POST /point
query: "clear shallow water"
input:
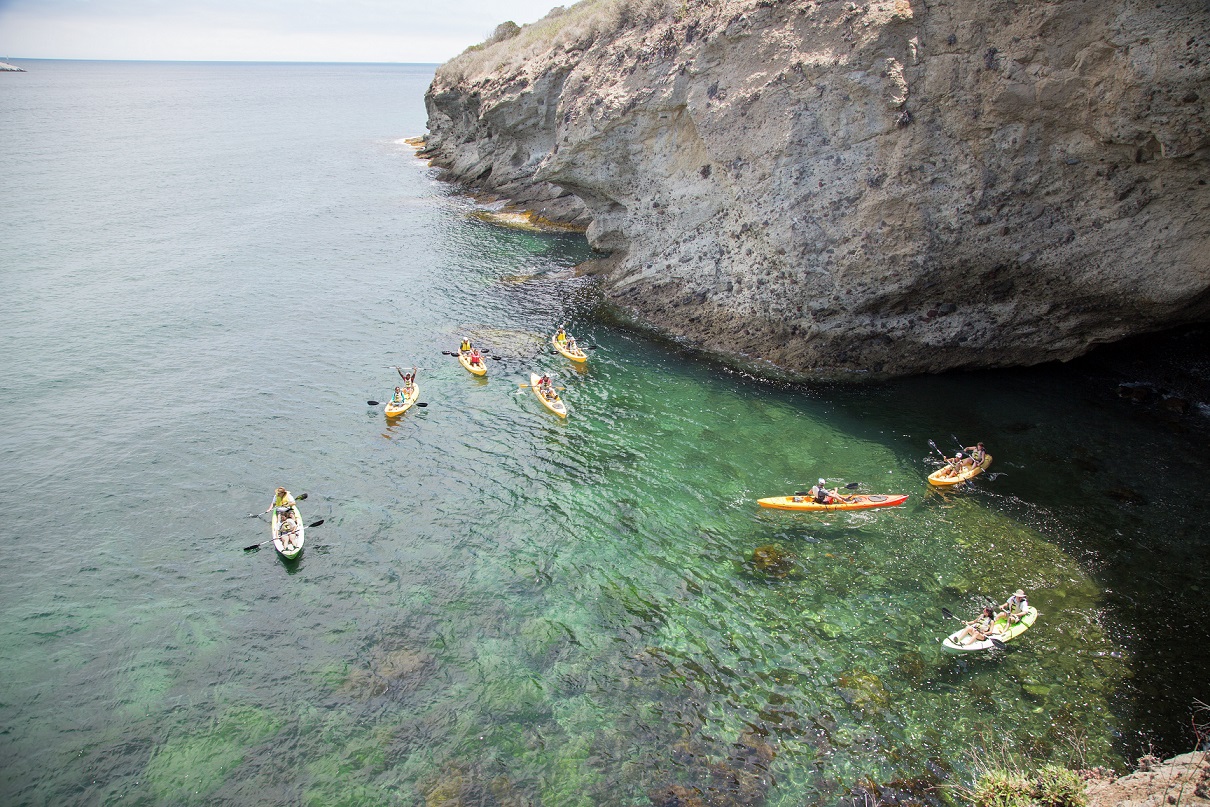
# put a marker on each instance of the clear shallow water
(210, 268)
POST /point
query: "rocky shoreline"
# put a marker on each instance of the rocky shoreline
(849, 190)
(1182, 780)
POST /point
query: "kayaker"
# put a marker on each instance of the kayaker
(571, 345)
(475, 357)
(408, 378)
(977, 629)
(821, 495)
(561, 337)
(287, 531)
(956, 464)
(1015, 605)
(466, 345)
(281, 499)
(397, 398)
(976, 453)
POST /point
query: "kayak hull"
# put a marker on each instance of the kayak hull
(579, 355)
(805, 503)
(1003, 632)
(296, 546)
(393, 410)
(557, 406)
(936, 478)
(464, 359)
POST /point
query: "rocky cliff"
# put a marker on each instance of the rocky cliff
(860, 189)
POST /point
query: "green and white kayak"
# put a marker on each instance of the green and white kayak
(1000, 630)
(288, 546)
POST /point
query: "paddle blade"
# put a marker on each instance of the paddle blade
(948, 613)
(421, 403)
(996, 643)
(302, 497)
(852, 486)
(316, 524)
(250, 548)
(371, 403)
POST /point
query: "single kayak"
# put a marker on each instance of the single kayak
(464, 359)
(555, 404)
(937, 478)
(409, 398)
(574, 355)
(852, 503)
(1000, 630)
(290, 545)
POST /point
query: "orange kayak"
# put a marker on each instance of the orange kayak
(850, 502)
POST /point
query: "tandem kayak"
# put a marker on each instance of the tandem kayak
(936, 478)
(1000, 630)
(851, 503)
(409, 398)
(555, 404)
(574, 355)
(295, 546)
(480, 369)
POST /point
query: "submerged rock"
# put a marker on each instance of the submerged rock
(859, 190)
(772, 561)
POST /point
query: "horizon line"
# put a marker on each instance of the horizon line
(11, 59)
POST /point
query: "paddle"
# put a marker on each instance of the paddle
(996, 643)
(527, 385)
(376, 403)
(455, 354)
(850, 486)
(258, 515)
(262, 543)
(939, 451)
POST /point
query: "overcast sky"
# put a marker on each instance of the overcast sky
(255, 30)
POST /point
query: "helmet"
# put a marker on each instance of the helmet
(823, 481)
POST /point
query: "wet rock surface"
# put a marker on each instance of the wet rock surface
(860, 190)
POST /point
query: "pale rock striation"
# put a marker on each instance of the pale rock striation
(868, 189)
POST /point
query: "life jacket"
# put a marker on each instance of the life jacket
(561, 337)
(822, 496)
(466, 344)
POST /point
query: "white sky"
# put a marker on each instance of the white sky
(255, 30)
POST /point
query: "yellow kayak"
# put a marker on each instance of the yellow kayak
(555, 404)
(937, 477)
(409, 398)
(480, 369)
(576, 355)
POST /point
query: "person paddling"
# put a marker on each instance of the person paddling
(476, 359)
(821, 495)
(1015, 606)
(408, 379)
(977, 629)
(957, 464)
(282, 500)
(976, 453)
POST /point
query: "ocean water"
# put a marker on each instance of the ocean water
(209, 269)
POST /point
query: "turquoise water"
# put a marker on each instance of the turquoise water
(209, 270)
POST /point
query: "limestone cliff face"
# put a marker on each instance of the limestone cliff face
(878, 188)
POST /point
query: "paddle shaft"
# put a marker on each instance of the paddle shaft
(262, 543)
